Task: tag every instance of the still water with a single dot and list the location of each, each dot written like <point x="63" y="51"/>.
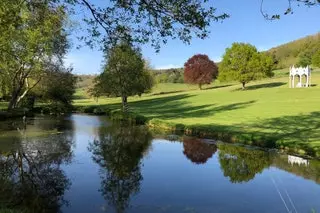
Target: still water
<point x="85" y="163"/>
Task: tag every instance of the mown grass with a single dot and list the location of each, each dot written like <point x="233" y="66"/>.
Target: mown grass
<point x="268" y="113"/>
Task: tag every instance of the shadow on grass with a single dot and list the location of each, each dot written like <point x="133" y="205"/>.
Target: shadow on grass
<point x="298" y="134"/>
<point x="295" y="131"/>
<point x="177" y="107"/>
<point x="169" y="92"/>
<point x="260" y="86"/>
<point x="217" y="87"/>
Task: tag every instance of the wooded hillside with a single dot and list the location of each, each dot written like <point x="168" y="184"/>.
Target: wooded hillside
<point x="290" y="53"/>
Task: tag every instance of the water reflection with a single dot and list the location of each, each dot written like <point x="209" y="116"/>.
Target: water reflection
<point x="197" y="151"/>
<point x="31" y="178"/>
<point x="240" y="164"/>
<point x="38" y="163"/>
<point x="119" y="151"/>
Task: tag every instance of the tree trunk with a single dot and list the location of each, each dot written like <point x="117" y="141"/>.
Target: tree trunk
<point x="16" y="99"/>
<point x="200" y="86"/>
<point x="13" y="100"/>
<point x="243" y="85"/>
<point x="124" y="104"/>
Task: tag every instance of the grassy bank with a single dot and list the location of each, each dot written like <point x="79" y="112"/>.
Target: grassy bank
<point x="268" y="113"/>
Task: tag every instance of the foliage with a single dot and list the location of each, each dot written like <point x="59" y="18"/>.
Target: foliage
<point x="290" y="8"/>
<point x="305" y="58"/>
<point x="242" y="62"/>
<point x="146" y="21"/>
<point x="199" y="69"/>
<point x="288" y="54"/>
<point x="124" y="74"/>
<point x="56" y="88"/>
<point x="128" y="118"/>
<point x="85" y="81"/>
<point x="316" y="59"/>
<point x="141" y="21"/>
<point x="174" y="75"/>
<point x="32" y="36"/>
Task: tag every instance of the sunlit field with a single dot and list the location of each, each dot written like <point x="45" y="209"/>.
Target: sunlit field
<point x="268" y="107"/>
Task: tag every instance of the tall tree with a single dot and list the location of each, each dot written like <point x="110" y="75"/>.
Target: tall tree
<point x="242" y="62"/>
<point x="124" y="74"/>
<point x="32" y="36"/>
<point x="199" y="69"/>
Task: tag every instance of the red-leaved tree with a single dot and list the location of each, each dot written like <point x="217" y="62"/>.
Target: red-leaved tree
<point x="199" y="69"/>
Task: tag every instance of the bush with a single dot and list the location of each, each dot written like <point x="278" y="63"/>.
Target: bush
<point x="130" y="117"/>
<point x="99" y="111"/>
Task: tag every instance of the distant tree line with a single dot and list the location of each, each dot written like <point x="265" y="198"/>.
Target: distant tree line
<point x="173" y="75"/>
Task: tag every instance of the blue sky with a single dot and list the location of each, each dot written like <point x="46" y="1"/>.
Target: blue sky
<point x="246" y="24"/>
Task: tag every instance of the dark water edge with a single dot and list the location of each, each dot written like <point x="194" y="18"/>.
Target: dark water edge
<point x="84" y="163"/>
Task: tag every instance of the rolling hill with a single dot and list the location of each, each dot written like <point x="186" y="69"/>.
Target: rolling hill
<point x="289" y="53"/>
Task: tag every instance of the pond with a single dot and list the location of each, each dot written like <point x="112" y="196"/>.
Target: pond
<point x="82" y="163"/>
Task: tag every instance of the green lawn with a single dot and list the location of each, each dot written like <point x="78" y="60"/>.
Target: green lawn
<point x="268" y="108"/>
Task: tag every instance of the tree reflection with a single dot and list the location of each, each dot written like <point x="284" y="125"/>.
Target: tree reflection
<point x="31" y="179"/>
<point x="197" y="151"/>
<point x="241" y="164"/>
<point x="119" y="151"/>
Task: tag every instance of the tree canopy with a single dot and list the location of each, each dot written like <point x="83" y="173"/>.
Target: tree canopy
<point x="199" y="69"/>
<point x="32" y="36"/>
<point x="145" y="21"/>
<point x="242" y="62"/>
<point x="56" y="88"/>
<point x="316" y="59"/>
<point x="124" y="74"/>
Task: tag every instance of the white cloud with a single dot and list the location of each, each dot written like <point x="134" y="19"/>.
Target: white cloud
<point x="168" y="66"/>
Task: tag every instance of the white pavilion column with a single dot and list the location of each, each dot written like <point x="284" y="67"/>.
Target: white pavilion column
<point x="293" y="85"/>
<point x="307" y="85"/>
<point x="300" y="80"/>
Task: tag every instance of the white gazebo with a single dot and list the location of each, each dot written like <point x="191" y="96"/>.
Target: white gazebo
<point x="300" y="71"/>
